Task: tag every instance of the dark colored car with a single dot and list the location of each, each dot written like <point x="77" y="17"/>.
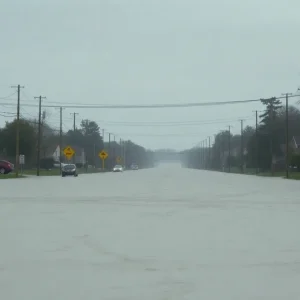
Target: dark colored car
<point x="6" y="167"/>
<point x="69" y="170"/>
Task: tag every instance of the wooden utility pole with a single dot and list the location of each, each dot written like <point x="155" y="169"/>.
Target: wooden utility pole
<point x="60" y="139"/>
<point x="124" y="154"/>
<point x="109" y="151"/>
<point x="287" y="139"/>
<point x="206" y="154"/>
<point x="18" y="131"/>
<point x="38" y="157"/>
<point x="229" y="149"/>
<point x="242" y="147"/>
<point x="74" y="130"/>
<point x="209" y="154"/>
<point x="256" y="142"/>
<point x="74" y="120"/>
<point x="271" y="135"/>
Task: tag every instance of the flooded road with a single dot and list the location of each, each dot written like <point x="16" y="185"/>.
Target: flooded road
<point x="163" y="233"/>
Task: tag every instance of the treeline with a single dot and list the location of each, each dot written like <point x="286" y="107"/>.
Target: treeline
<point x="85" y="139"/>
<point x="260" y="148"/>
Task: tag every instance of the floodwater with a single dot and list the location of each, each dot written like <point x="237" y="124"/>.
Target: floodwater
<point x="157" y="234"/>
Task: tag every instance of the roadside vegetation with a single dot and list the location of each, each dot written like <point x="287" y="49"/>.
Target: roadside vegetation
<point x="257" y="150"/>
<point x="86" y="140"/>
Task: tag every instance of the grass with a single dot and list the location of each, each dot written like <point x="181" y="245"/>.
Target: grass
<point x="53" y="172"/>
<point x="292" y="175"/>
<point x="249" y="171"/>
<point x="56" y="172"/>
<point x="252" y="171"/>
<point x="10" y="176"/>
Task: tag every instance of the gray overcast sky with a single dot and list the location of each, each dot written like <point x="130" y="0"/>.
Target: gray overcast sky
<point x="150" y="52"/>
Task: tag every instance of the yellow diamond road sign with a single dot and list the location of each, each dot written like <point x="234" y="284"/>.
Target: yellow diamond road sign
<point x="69" y="152"/>
<point x="103" y="155"/>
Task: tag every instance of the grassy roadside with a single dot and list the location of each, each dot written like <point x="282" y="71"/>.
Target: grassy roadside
<point x="282" y="174"/>
<point x="10" y="176"/>
<point x="52" y="172"/>
<point x="56" y="172"/>
<point x="292" y="175"/>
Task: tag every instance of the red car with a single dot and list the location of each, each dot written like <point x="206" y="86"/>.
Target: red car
<point x="6" y="167"/>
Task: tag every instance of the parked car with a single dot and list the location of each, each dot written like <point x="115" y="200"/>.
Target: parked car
<point x="118" y="168"/>
<point x="69" y="170"/>
<point x="6" y="167"/>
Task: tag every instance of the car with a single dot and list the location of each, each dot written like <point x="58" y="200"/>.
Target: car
<point x="6" y="167"/>
<point x="118" y="168"/>
<point x="69" y="170"/>
<point x="134" y="167"/>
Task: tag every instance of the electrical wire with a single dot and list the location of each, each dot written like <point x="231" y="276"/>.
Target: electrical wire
<point x="6" y="97"/>
<point x="160" y="135"/>
<point x="6" y="116"/>
<point x="207" y="122"/>
<point x="146" y="106"/>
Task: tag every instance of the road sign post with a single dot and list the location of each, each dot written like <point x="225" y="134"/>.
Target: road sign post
<point x="22" y="162"/>
<point x="103" y="155"/>
<point x="69" y="152"/>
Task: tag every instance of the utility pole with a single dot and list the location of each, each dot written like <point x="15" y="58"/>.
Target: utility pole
<point x="109" y="153"/>
<point x="205" y="153"/>
<point x="229" y="150"/>
<point x="242" y="147"/>
<point x="19" y="87"/>
<point x="124" y="154"/>
<point x="200" y="157"/>
<point x="74" y="120"/>
<point x="103" y="136"/>
<point x="114" y="150"/>
<point x="120" y="152"/>
<point x="209" y="154"/>
<point x="74" y="130"/>
<point x="39" y="136"/>
<point x="271" y="137"/>
<point x="60" y="138"/>
<point x="287" y="158"/>
<point x="256" y="141"/>
<point x="203" y="156"/>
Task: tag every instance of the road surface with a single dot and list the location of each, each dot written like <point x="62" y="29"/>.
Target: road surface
<point x="156" y="234"/>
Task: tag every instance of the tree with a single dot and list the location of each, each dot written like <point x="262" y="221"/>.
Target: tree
<point x="27" y="139"/>
<point x="92" y="140"/>
<point x="90" y="128"/>
<point x="87" y="137"/>
<point x="133" y="154"/>
<point x="273" y="106"/>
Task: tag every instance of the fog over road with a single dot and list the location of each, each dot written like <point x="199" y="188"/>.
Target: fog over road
<point x="162" y="233"/>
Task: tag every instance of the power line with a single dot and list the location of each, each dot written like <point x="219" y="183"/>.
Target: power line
<point x="147" y="106"/>
<point x="5" y="116"/>
<point x="196" y="134"/>
<point x="6" y="97"/>
<point x="158" y="124"/>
